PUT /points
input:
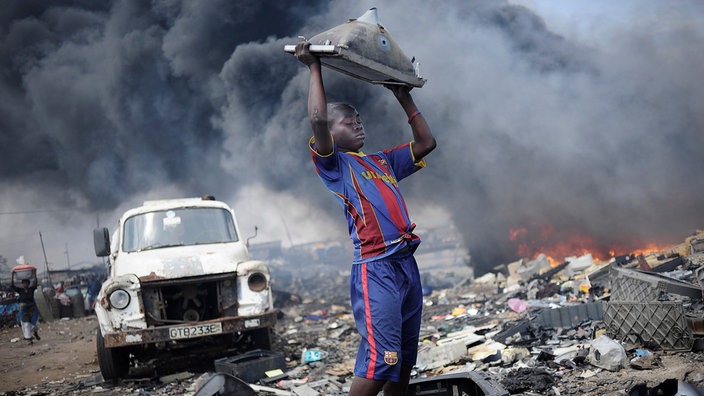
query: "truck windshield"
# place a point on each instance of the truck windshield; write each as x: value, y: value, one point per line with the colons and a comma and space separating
x: 178, y: 227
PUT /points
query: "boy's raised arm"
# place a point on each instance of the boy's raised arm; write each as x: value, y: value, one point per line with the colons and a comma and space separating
x: 317, y: 102
x: 423, y: 139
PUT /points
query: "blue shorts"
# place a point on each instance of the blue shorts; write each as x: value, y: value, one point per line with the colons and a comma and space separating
x: 387, y: 302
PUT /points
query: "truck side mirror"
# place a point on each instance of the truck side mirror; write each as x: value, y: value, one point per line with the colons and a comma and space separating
x: 101, y: 242
x: 246, y: 243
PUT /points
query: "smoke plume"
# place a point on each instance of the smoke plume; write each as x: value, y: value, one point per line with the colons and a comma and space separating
x: 106, y: 103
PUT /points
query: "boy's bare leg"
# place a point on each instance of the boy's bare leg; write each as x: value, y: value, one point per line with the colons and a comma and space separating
x: 399, y: 388
x: 365, y: 387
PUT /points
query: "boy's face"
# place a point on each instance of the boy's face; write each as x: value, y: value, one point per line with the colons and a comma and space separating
x: 347, y: 129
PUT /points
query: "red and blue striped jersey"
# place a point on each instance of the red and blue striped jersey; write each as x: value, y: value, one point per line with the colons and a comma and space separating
x: 367, y: 188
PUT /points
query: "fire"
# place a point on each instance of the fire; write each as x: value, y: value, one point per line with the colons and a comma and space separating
x: 542, y: 238
x: 651, y: 248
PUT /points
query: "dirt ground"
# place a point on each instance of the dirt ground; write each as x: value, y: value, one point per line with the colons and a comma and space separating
x: 65, y: 354
x: 64, y: 362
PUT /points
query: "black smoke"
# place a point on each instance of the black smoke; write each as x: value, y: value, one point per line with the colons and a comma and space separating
x: 102, y: 101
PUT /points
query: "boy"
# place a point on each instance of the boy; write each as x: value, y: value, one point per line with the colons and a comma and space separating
x: 28, y: 310
x: 385, y: 284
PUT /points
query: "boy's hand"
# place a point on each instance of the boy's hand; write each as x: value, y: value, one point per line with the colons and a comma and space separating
x: 400, y: 91
x: 303, y: 54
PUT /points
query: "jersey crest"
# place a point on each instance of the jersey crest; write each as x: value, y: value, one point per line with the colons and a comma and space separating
x: 390, y: 357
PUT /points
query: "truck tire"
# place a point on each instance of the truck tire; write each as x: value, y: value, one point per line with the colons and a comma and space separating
x: 114, y: 362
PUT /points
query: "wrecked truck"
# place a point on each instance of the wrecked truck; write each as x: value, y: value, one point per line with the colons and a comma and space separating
x: 180, y: 280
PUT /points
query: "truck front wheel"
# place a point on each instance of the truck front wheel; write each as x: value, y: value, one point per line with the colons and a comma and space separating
x: 114, y: 362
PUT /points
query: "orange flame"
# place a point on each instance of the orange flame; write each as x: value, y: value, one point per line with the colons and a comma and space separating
x: 535, y: 239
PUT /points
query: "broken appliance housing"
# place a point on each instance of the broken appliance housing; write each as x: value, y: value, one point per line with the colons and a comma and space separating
x: 474, y: 383
x: 364, y: 49
x: 649, y: 308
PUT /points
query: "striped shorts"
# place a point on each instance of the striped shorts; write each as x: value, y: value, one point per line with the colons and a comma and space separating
x: 387, y: 302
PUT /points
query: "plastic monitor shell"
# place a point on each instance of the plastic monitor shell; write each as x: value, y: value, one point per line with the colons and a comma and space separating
x: 364, y: 49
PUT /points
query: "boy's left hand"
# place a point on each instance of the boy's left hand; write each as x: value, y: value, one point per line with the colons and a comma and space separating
x: 399, y: 90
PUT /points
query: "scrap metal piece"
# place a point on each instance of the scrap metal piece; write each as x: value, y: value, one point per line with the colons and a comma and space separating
x: 652, y: 324
x: 364, y: 49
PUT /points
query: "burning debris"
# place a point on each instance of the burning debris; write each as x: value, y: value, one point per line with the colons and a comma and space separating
x: 531, y: 327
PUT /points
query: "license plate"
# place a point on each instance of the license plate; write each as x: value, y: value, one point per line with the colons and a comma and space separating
x: 193, y: 331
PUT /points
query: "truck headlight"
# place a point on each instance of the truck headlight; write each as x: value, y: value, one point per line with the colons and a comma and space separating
x: 119, y: 299
x: 256, y: 281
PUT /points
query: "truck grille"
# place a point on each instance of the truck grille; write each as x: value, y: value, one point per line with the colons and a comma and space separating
x: 189, y: 300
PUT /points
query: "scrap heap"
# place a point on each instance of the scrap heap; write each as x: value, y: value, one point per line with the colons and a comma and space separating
x: 579, y: 327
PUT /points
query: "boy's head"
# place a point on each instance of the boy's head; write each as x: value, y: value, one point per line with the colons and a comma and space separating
x: 345, y: 126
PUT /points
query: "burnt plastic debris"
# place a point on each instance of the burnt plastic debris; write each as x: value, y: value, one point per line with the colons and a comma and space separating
x: 251, y: 366
x: 649, y: 309
x: 637, y: 285
x: 566, y: 317
x: 223, y: 384
x: 469, y: 383
x: 657, y: 325
x: 364, y: 49
x: 528, y: 379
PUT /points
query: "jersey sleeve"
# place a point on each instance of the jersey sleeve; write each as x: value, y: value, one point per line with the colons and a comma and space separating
x: 327, y: 166
x: 402, y: 161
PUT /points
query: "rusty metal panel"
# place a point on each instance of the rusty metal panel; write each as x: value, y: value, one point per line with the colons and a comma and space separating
x: 651, y: 324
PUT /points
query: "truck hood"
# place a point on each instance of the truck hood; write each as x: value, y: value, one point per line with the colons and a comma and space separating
x: 181, y: 261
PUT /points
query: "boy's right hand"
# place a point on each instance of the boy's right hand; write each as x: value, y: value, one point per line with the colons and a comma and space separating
x: 303, y: 54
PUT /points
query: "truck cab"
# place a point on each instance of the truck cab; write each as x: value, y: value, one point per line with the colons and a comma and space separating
x: 179, y: 278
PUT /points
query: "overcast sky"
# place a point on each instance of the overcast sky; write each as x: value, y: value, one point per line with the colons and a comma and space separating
x: 577, y: 121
